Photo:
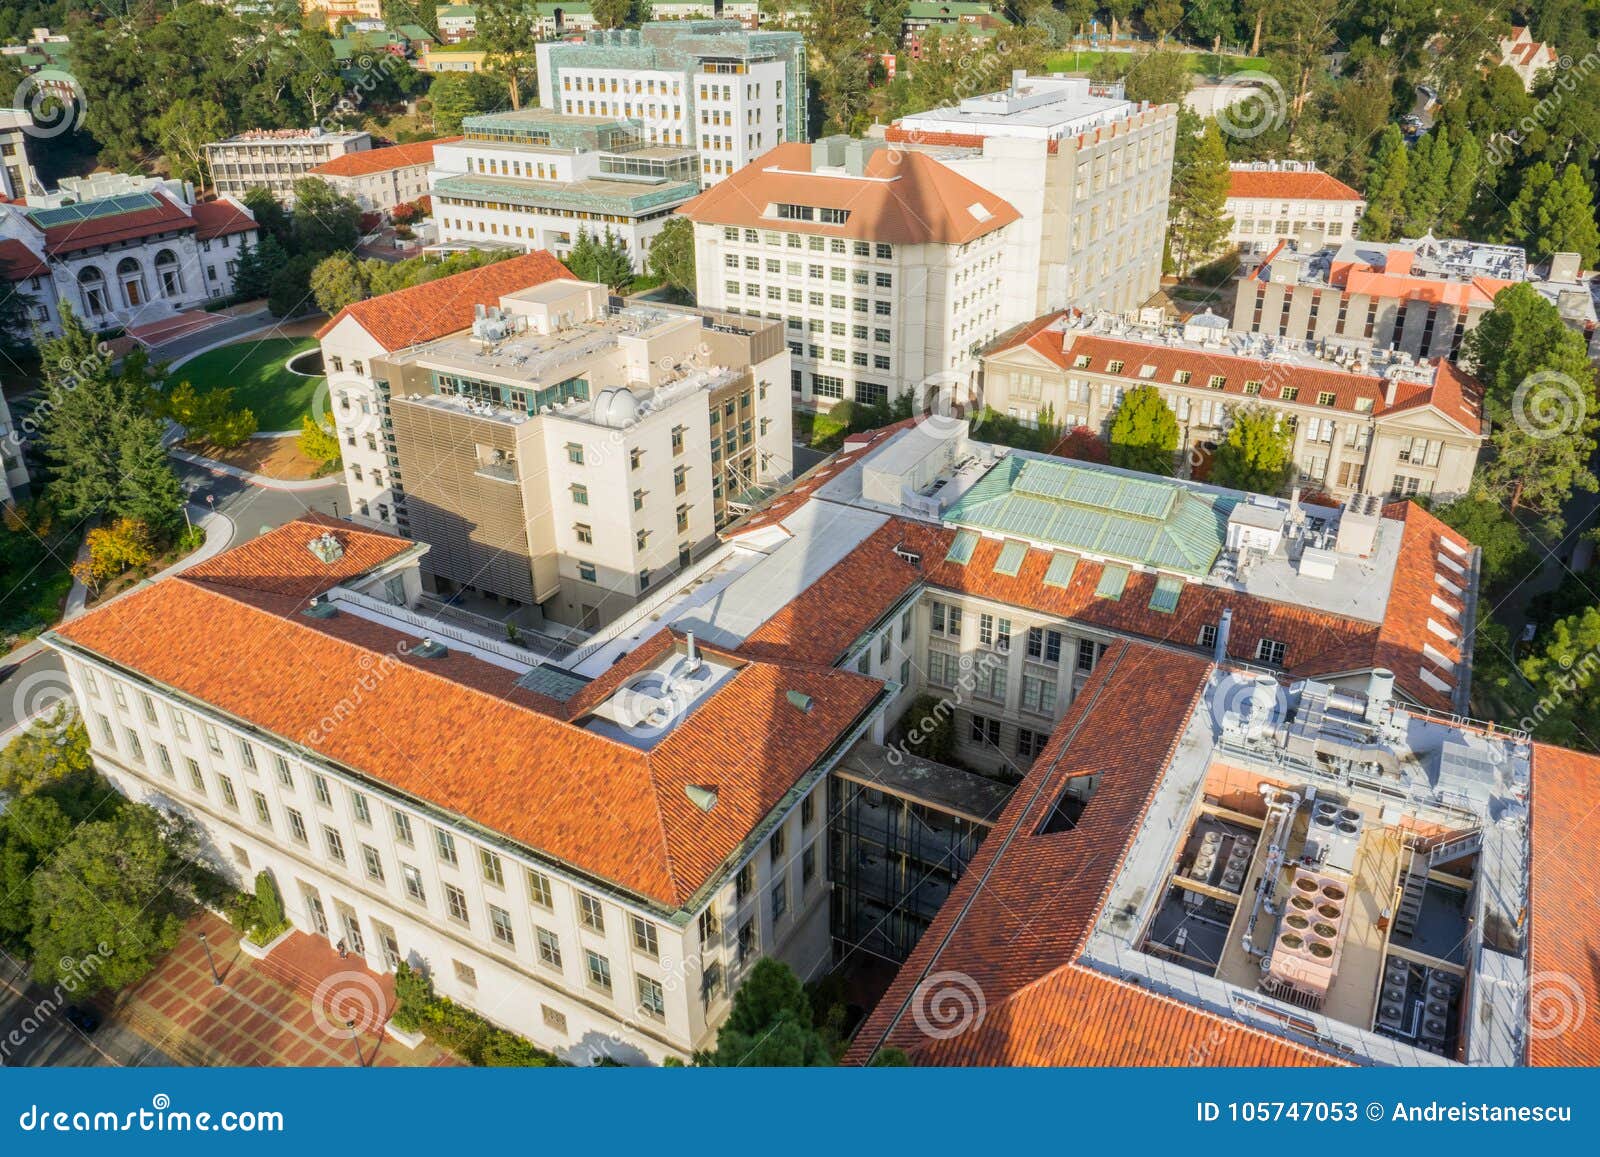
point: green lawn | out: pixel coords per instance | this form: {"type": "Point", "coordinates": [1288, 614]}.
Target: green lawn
{"type": "Point", "coordinates": [1202, 64]}
{"type": "Point", "coordinates": [255, 371]}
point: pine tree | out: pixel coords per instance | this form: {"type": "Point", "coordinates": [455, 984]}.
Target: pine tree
{"type": "Point", "coordinates": [1199, 195]}
{"type": "Point", "coordinates": [1386, 186]}
{"type": "Point", "coordinates": [252, 277]}
{"type": "Point", "coordinates": [1564, 219]}
{"type": "Point", "coordinates": [1522, 215]}
{"type": "Point", "coordinates": [1427, 183]}
{"type": "Point", "coordinates": [1465, 169]}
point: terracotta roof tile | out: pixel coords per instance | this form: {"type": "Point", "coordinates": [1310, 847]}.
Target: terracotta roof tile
{"type": "Point", "coordinates": [436, 308]}
{"type": "Point", "coordinates": [906, 198]}
{"type": "Point", "coordinates": [220, 217]}
{"type": "Point", "coordinates": [18, 262]}
{"type": "Point", "coordinates": [164, 217]}
{"type": "Point", "coordinates": [1564, 897]}
{"type": "Point", "coordinates": [454, 730]}
{"type": "Point", "coordinates": [1252, 184]}
{"type": "Point", "coordinates": [370, 161]}
{"type": "Point", "coordinates": [281, 562]}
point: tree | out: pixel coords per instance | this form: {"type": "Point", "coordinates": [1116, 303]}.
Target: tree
{"type": "Point", "coordinates": [455, 96]}
{"type": "Point", "coordinates": [252, 278]}
{"type": "Point", "coordinates": [325, 221]}
{"type": "Point", "coordinates": [1386, 186]}
{"type": "Point", "coordinates": [671, 255]}
{"type": "Point", "coordinates": [1563, 672]}
{"type": "Point", "coordinates": [184, 130]}
{"type": "Point", "coordinates": [271, 218]}
{"type": "Point", "coordinates": [1507, 558]}
{"type": "Point", "coordinates": [1199, 195]}
{"type": "Point", "coordinates": [31, 829]}
{"type": "Point", "coordinates": [611, 13]}
{"type": "Point", "coordinates": [604, 260]}
{"type": "Point", "coordinates": [1465, 168]}
{"type": "Point", "coordinates": [16, 323]}
{"type": "Point", "coordinates": [99, 434]}
{"type": "Point", "coordinates": [317, 442]}
{"type": "Point", "coordinates": [770, 1023]}
{"type": "Point", "coordinates": [1160, 77]}
{"type": "Point", "coordinates": [104, 896]}
{"type": "Point", "coordinates": [1539, 394]}
{"type": "Point", "coordinates": [52, 751]}
{"type": "Point", "coordinates": [337, 282]}
{"type": "Point", "coordinates": [289, 292]}
{"type": "Point", "coordinates": [1144, 433]}
{"type": "Point", "coordinates": [505, 33]}
{"type": "Point", "coordinates": [121, 546]}
{"type": "Point", "coordinates": [1162, 16]}
{"type": "Point", "coordinates": [1427, 182]}
{"type": "Point", "coordinates": [208, 417]}
{"type": "Point", "coordinates": [1257, 454]}
{"type": "Point", "coordinates": [1213, 20]}
{"type": "Point", "coordinates": [1084, 445]}
{"type": "Point", "coordinates": [837, 35]}
{"type": "Point", "coordinates": [1565, 222]}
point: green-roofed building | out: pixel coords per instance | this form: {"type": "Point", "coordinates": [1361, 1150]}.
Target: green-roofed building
{"type": "Point", "coordinates": [662, 75]}
{"type": "Point", "coordinates": [1099, 511]}
{"type": "Point", "coordinates": [537, 179]}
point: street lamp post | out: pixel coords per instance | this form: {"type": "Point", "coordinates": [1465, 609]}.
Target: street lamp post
{"type": "Point", "coordinates": [355, 1038]}
{"type": "Point", "coordinates": [216, 980]}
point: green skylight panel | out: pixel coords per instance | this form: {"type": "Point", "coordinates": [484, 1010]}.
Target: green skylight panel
{"type": "Point", "coordinates": [1112, 580]}
{"type": "Point", "coordinates": [1165, 597]}
{"type": "Point", "coordinates": [961, 549]}
{"type": "Point", "coordinates": [1059, 572]}
{"type": "Point", "coordinates": [1011, 556]}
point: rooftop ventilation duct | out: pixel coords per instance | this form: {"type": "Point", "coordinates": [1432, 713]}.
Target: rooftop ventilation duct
{"type": "Point", "coordinates": [800, 701]}
{"type": "Point", "coordinates": [704, 798]}
{"type": "Point", "coordinates": [326, 547]}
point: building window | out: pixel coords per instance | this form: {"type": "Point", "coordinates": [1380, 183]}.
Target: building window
{"type": "Point", "coordinates": [335, 844]}
{"type": "Point", "coordinates": [500, 926]}
{"type": "Point", "coordinates": [493, 872]}
{"type": "Point", "coordinates": [373, 862]}
{"type": "Point", "coordinates": [1270, 651]}
{"type": "Point", "coordinates": [580, 494]}
{"type": "Point", "coordinates": [539, 889]}
{"type": "Point", "coordinates": [549, 947]}
{"type": "Point", "coordinates": [228, 796]}
{"type": "Point", "coordinates": [263, 812]}
{"type": "Point", "coordinates": [585, 533]}
{"type": "Point", "coordinates": [281, 766]}
{"type": "Point", "coordinates": [402, 829]}
{"type": "Point", "coordinates": [984, 730]}
{"type": "Point", "coordinates": [748, 943]}
{"type": "Point", "coordinates": [358, 804]}
{"type": "Point", "coordinates": [1044, 644]}
{"type": "Point", "coordinates": [743, 881]}
{"type": "Point", "coordinates": [1030, 743]}
{"type": "Point", "coordinates": [1208, 635]}
{"type": "Point", "coordinates": [455, 901]}
{"type": "Point", "coordinates": [1086, 654]}
{"type": "Point", "coordinates": [775, 846]}
{"type": "Point", "coordinates": [446, 845]}
{"type": "Point", "coordinates": [297, 826]}
{"type": "Point", "coordinates": [413, 883]}
{"type": "Point", "coordinates": [590, 914]}
{"type": "Point", "coordinates": [652, 1000]}
{"type": "Point", "coordinates": [808, 810]}
{"type": "Point", "coordinates": [599, 970]}
{"type": "Point", "coordinates": [644, 937]}
{"type": "Point", "coordinates": [320, 783]}
{"type": "Point", "coordinates": [575, 453]}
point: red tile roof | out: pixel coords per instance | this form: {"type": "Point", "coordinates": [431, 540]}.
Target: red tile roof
{"type": "Point", "coordinates": [281, 563]}
{"type": "Point", "coordinates": [18, 262]}
{"type": "Point", "coordinates": [1453, 392]}
{"type": "Point", "coordinates": [905, 198]}
{"type": "Point", "coordinates": [220, 217]}
{"type": "Point", "coordinates": [436, 308]}
{"type": "Point", "coordinates": [166, 216]}
{"type": "Point", "coordinates": [370, 161]}
{"type": "Point", "coordinates": [1253, 184]}
{"type": "Point", "coordinates": [456, 732]}
{"type": "Point", "coordinates": [1017, 920]}
{"type": "Point", "coordinates": [1564, 897]}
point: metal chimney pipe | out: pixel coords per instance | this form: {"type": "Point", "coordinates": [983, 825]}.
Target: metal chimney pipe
{"type": "Point", "coordinates": [694, 653]}
{"type": "Point", "coordinates": [1219, 649]}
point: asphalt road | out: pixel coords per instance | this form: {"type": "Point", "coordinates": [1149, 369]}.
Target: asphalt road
{"type": "Point", "coordinates": [28, 687]}
{"type": "Point", "coordinates": [35, 1032]}
{"type": "Point", "coordinates": [256, 508]}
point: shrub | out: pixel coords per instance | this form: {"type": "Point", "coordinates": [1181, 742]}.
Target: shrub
{"type": "Point", "coordinates": [419, 1009]}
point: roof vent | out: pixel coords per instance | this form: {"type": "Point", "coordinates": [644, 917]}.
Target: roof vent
{"type": "Point", "coordinates": [906, 554]}
{"type": "Point", "coordinates": [320, 607]}
{"type": "Point", "coordinates": [326, 547]}
{"type": "Point", "coordinates": [429, 649]}
{"type": "Point", "coordinates": [704, 798]}
{"type": "Point", "coordinates": [800, 701]}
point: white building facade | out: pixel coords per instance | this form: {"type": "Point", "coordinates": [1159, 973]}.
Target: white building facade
{"type": "Point", "coordinates": [1273, 201]}
{"type": "Point", "coordinates": [274, 159]}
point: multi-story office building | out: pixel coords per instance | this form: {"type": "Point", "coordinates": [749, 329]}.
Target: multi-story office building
{"type": "Point", "coordinates": [1087, 171]}
{"type": "Point", "coordinates": [558, 454]}
{"type": "Point", "coordinates": [1273, 201]}
{"type": "Point", "coordinates": [380, 179]}
{"type": "Point", "coordinates": [358, 335]}
{"type": "Point", "coordinates": [537, 179]}
{"type": "Point", "coordinates": [885, 270]}
{"type": "Point", "coordinates": [274, 159]}
{"type": "Point", "coordinates": [1362, 420]}
{"type": "Point", "coordinates": [17, 178]}
{"type": "Point", "coordinates": [123, 251]}
{"type": "Point", "coordinates": [593, 863]}
{"type": "Point", "coordinates": [1420, 297]}
{"type": "Point", "coordinates": [707, 85]}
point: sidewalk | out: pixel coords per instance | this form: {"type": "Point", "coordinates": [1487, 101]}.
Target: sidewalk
{"type": "Point", "coordinates": [219, 533]}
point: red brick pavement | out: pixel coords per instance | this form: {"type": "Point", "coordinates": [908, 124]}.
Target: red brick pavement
{"type": "Point", "coordinates": [290, 1009]}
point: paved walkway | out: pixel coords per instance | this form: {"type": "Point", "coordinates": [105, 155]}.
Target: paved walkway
{"type": "Point", "coordinates": [264, 1013]}
{"type": "Point", "coordinates": [219, 533]}
{"type": "Point", "coordinates": [216, 467]}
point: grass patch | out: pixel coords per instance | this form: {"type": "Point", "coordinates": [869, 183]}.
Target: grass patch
{"type": "Point", "coordinates": [255, 370]}
{"type": "Point", "coordinates": [34, 596]}
{"type": "Point", "coordinates": [820, 431]}
{"type": "Point", "coordinates": [1200, 63]}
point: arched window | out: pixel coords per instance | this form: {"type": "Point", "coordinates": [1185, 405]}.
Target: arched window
{"type": "Point", "coordinates": [92, 288]}
{"type": "Point", "coordinates": [168, 275]}
{"type": "Point", "coordinates": [130, 276]}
